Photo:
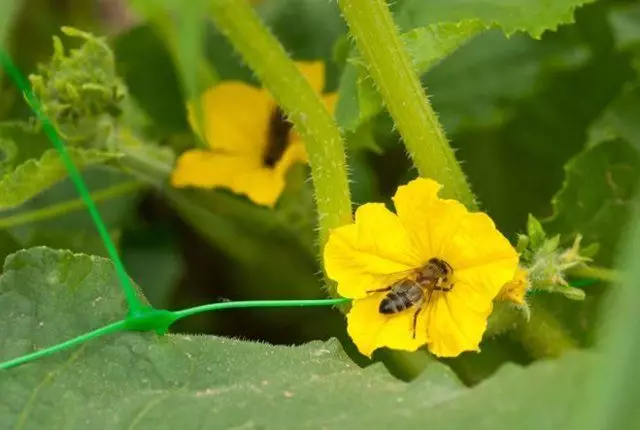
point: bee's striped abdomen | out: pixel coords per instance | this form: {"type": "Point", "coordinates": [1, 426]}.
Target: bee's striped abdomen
{"type": "Point", "coordinates": [400, 300]}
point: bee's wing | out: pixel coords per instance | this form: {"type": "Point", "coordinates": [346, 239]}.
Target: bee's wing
{"type": "Point", "coordinates": [388, 280]}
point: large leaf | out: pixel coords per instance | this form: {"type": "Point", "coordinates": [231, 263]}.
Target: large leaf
{"type": "Point", "coordinates": [33, 176]}
{"type": "Point", "coordinates": [433, 30]}
{"type": "Point", "coordinates": [596, 200]}
{"type": "Point", "coordinates": [532, 16]}
{"type": "Point", "coordinates": [620, 120]}
{"type": "Point", "coordinates": [618, 372]}
{"type": "Point", "coordinates": [145, 381]}
{"type": "Point", "coordinates": [597, 197]}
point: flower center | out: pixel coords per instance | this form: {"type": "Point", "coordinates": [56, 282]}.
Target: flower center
{"type": "Point", "coordinates": [277, 138]}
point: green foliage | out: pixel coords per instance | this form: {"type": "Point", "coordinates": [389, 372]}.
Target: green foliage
{"type": "Point", "coordinates": [502, 70]}
{"type": "Point", "coordinates": [520, 89]}
{"type": "Point", "coordinates": [532, 16]}
{"type": "Point", "coordinates": [137, 51]}
{"type": "Point", "coordinates": [597, 197]}
{"type": "Point", "coordinates": [34, 175]}
{"type": "Point", "coordinates": [145, 381]}
{"type": "Point", "coordinates": [433, 30]}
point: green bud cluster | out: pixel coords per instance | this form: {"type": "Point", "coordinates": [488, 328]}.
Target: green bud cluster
{"type": "Point", "coordinates": [80, 90]}
{"type": "Point", "coordinates": [547, 262]}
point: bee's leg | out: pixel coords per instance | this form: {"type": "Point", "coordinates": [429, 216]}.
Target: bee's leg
{"type": "Point", "coordinates": [415, 316]}
{"type": "Point", "coordinates": [447, 288]}
{"type": "Point", "coordinates": [415, 320]}
{"type": "Point", "coordinates": [379, 290]}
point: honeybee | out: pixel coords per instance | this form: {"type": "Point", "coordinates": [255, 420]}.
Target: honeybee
{"type": "Point", "coordinates": [415, 289]}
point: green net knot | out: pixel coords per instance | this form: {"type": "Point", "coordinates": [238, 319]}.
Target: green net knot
{"type": "Point", "coordinates": [150, 319]}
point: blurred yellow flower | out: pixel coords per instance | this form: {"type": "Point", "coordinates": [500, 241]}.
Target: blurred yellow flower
{"type": "Point", "coordinates": [252, 145]}
{"type": "Point", "coordinates": [427, 275]}
{"type": "Point", "coordinates": [516, 289]}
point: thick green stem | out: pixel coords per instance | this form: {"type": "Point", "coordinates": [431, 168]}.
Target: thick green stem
{"type": "Point", "coordinates": [390, 66]}
{"type": "Point", "coordinates": [543, 336]}
{"type": "Point", "coordinates": [68, 206]}
{"type": "Point", "coordinates": [279, 74]}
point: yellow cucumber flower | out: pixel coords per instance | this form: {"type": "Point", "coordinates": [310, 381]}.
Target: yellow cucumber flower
{"type": "Point", "coordinates": [252, 145]}
{"type": "Point", "coordinates": [425, 275]}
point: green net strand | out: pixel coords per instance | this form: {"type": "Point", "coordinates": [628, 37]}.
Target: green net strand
{"type": "Point", "coordinates": [140, 317]}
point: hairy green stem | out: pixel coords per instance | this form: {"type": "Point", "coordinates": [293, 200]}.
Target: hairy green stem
{"type": "Point", "coordinates": [303, 106]}
{"type": "Point", "coordinates": [60, 209]}
{"type": "Point", "coordinates": [390, 66]}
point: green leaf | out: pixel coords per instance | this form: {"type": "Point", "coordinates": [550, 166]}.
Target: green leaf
{"type": "Point", "coordinates": [473, 86]}
{"type": "Point", "coordinates": [358, 99]}
{"type": "Point", "coordinates": [620, 119]}
{"type": "Point", "coordinates": [33, 176]}
{"type": "Point", "coordinates": [144, 381]}
{"type": "Point", "coordinates": [146, 65]}
{"type": "Point", "coordinates": [596, 199]}
{"type": "Point", "coordinates": [434, 30]}
{"type": "Point", "coordinates": [619, 341]}
{"type": "Point", "coordinates": [535, 232]}
{"type": "Point", "coordinates": [531, 16]}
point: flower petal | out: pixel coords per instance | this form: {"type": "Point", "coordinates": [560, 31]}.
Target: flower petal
{"type": "Point", "coordinates": [429, 220]}
{"type": "Point", "coordinates": [313, 71]}
{"type": "Point", "coordinates": [236, 117]}
{"type": "Point", "coordinates": [369, 329]}
{"type": "Point", "coordinates": [207, 169]}
{"type": "Point", "coordinates": [361, 256]}
{"type": "Point", "coordinates": [480, 255]}
{"type": "Point", "coordinates": [455, 322]}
